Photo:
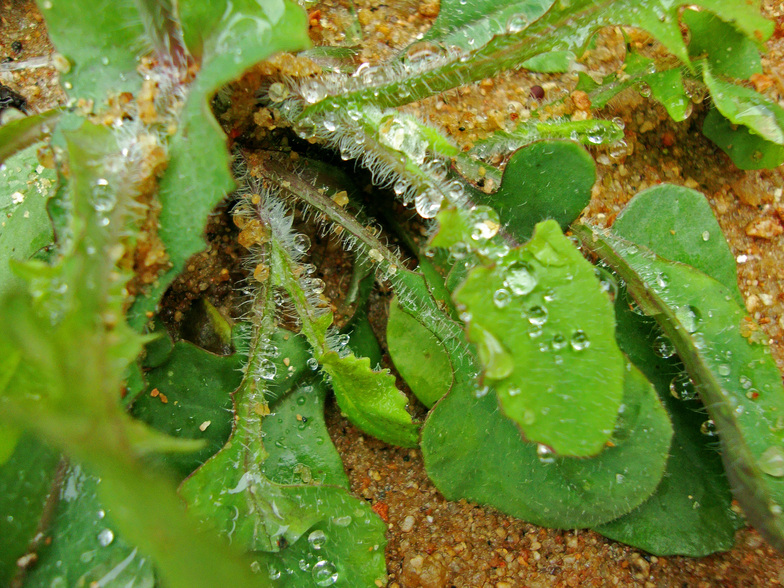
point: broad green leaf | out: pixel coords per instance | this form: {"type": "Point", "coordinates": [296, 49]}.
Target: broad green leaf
{"type": "Point", "coordinates": [86, 547]}
{"type": "Point", "coordinates": [26, 479]}
{"type": "Point", "coordinates": [20, 134]}
{"type": "Point", "coordinates": [469, 25]}
{"type": "Point", "coordinates": [196, 403]}
{"type": "Point", "coordinates": [465, 434]}
{"type": "Point", "coordinates": [746, 149]}
{"type": "Point", "coordinates": [735, 374]}
{"type": "Point", "coordinates": [545, 180]}
{"type": "Point", "coordinates": [418, 355]}
{"type": "Point", "coordinates": [587, 132]}
{"type": "Point", "coordinates": [743, 106]}
{"type": "Point", "coordinates": [729, 52]}
{"type": "Point", "coordinates": [542, 357]}
{"type": "Point", "coordinates": [299, 450]}
{"type": "Point", "coordinates": [677, 223]}
{"type": "Point", "coordinates": [228, 37]}
{"type": "Point", "coordinates": [690, 513]}
{"type": "Point", "coordinates": [25, 228]}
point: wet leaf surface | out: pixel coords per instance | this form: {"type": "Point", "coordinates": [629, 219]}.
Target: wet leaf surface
{"type": "Point", "coordinates": [472, 451]}
{"type": "Point", "coordinates": [733, 370]}
{"type": "Point", "coordinates": [541, 357]}
{"type": "Point", "coordinates": [690, 512]}
{"type": "Point", "coordinates": [86, 547]}
{"type": "Point", "coordinates": [26, 479]}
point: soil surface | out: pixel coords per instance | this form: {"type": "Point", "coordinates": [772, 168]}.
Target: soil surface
{"type": "Point", "coordinates": [434, 542]}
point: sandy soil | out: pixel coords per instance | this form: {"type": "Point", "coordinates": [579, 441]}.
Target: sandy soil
{"type": "Point", "coordinates": [436, 543]}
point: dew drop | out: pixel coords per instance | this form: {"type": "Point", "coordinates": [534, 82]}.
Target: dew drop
{"type": "Point", "coordinates": [520, 278]}
{"type": "Point", "coordinates": [688, 316]}
{"type": "Point", "coordinates": [343, 521]}
{"type": "Point", "coordinates": [400, 187]}
{"type": "Point", "coordinates": [705, 235]}
{"type": "Point", "coordinates": [682, 387]}
{"type": "Point", "coordinates": [266, 369]}
{"type": "Point", "coordinates": [545, 454]}
{"type": "Point", "coordinates": [579, 340]}
{"type": "Point", "coordinates": [771, 461]}
{"type": "Point", "coordinates": [559, 341]}
{"type": "Point", "coordinates": [708, 428]}
{"type": "Point", "coordinates": [496, 359]}
{"type": "Point", "coordinates": [516, 23]}
{"type": "Point", "coordinates": [485, 223]}
{"type": "Point", "coordinates": [501, 298]}
{"type": "Point", "coordinates": [313, 363]}
{"type": "Point", "coordinates": [481, 392]}
{"type": "Point", "coordinates": [105, 537]}
{"type": "Point", "coordinates": [663, 347]}
{"type": "Point", "coordinates": [317, 285]}
{"type": "Point", "coordinates": [317, 539]}
{"type": "Point", "coordinates": [745, 382]}
{"type": "Point", "coordinates": [537, 315]}
{"type": "Point", "coordinates": [278, 92]}
{"type": "Point", "coordinates": [313, 91]}
{"type": "Point", "coordinates": [724, 369]}
{"type": "Point", "coordinates": [619, 478]}
{"type": "Point", "coordinates": [427, 204]}
{"type": "Point", "coordinates": [324, 573]}
{"type": "Point", "coordinates": [301, 243]}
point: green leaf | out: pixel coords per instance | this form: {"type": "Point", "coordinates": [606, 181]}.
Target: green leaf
{"type": "Point", "coordinates": [545, 180]}
{"type": "Point", "coordinates": [26, 479]}
{"type": "Point", "coordinates": [418, 355]}
{"type": "Point", "coordinates": [228, 37]}
{"type": "Point", "coordinates": [196, 386]}
{"type": "Point", "coordinates": [743, 106]}
{"type": "Point", "coordinates": [100, 43]}
{"type": "Point", "coordinates": [746, 149]}
{"type": "Point", "coordinates": [468, 25]}
{"type": "Point", "coordinates": [678, 223]}
{"type": "Point", "coordinates": [20, 134]}
{"type": "Point", "coordinates": [86, 547]}
{"type": "Point", "coordinates": [299, 450]}
{"type": "Point", "coordinates": [690, 513]}
{"type": "Point", "coordinates": [307, 522]}
{"type": "Point", "coordinates": [735, 374]}
{"type": "Point", "coordinates": [542, 357]}
{"type": "Point", "coordinates": [465, 434]}
{"type": "Point", "coordinates": [25, 228]}
{"type": "Point", "coordinates": [370, 399]}
{"type": "Point", "coordinates": [729, 52]}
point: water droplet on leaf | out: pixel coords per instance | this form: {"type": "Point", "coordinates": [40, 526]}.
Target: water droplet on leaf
{"type": "Point", "coordinates": [520, 278]}
{"type": "Point", "coordinates": [579, 340]}
{"type": "Point", "coordinates": [708, 428]}
{"type": "Point", "coordinates": [772, 461]}
{"type": "Point", "coordinates": [317, 539]}
{"type": "Point", "coordinates": [663, 347]}
{"type": "Point", "coordinates": [682, 387]}
{"type": "Point", "coordinates": [324, 573]}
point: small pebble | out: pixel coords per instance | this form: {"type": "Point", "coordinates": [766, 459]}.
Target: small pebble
{"type": "Point", "coordinates": [407, 524]}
